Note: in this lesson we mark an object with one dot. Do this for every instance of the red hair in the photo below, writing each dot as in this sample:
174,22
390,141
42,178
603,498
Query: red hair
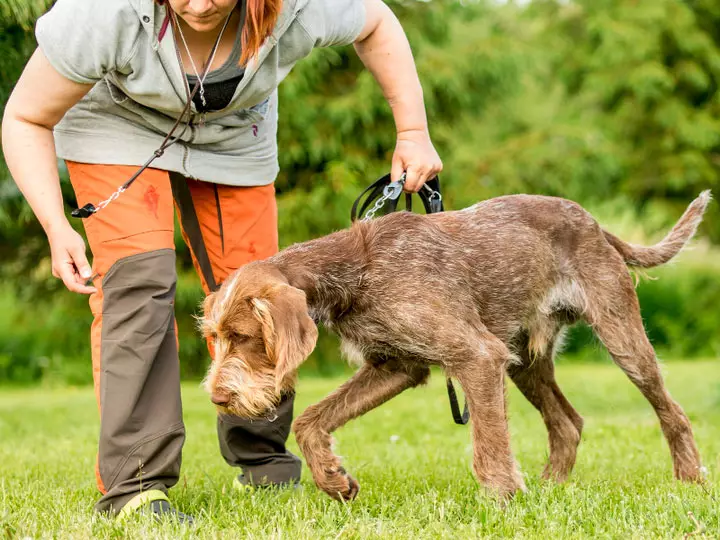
260,19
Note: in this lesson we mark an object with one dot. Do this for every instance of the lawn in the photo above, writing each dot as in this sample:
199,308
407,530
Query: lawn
412,462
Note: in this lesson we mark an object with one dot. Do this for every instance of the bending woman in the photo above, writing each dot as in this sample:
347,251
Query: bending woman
101,92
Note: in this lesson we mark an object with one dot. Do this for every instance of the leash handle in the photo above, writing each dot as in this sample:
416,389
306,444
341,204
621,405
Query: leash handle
391,192
429,195
460,419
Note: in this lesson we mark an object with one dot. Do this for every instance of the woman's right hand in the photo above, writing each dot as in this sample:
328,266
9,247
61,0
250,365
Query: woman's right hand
69,262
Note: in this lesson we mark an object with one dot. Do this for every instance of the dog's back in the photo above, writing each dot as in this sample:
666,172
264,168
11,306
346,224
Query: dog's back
521,261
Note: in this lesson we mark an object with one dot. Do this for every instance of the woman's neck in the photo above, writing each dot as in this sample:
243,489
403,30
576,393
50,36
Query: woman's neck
200,44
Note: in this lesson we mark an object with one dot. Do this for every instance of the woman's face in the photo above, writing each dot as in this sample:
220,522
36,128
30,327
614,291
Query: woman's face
203,15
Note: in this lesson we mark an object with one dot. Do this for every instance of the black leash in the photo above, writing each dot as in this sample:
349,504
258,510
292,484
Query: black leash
463,418
383,196
89,209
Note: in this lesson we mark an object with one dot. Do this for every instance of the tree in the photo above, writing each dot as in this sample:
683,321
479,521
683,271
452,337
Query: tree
607,102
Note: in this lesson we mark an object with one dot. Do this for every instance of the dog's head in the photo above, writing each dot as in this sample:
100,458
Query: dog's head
260,332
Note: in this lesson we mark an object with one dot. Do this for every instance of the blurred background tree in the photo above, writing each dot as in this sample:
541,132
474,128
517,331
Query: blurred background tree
611,103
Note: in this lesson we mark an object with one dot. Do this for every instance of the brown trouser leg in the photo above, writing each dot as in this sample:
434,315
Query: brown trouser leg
225,228
134,342
133,335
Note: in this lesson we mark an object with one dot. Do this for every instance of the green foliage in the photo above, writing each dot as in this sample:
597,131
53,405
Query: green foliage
611,103
22,13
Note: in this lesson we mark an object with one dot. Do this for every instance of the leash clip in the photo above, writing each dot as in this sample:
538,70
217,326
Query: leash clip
434,195
84,212
393,190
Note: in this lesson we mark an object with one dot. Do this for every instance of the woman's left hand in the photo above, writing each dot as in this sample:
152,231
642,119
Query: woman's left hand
415,155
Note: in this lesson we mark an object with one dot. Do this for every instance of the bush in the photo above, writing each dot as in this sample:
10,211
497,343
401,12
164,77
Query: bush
610,103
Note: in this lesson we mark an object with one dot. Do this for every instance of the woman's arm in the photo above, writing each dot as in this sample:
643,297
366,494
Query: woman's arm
384,49
39,101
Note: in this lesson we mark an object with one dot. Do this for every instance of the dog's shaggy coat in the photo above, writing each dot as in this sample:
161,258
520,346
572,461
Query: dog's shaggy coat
482,292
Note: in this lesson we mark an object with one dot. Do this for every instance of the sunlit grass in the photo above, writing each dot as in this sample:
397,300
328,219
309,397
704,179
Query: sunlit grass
413,464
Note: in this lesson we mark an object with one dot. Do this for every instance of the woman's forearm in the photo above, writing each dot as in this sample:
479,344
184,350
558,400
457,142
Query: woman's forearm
386,53
30,155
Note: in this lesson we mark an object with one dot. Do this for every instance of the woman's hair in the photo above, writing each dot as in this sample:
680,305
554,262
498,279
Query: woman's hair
260,19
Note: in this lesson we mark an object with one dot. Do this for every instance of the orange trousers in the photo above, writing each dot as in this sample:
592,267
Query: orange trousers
134,336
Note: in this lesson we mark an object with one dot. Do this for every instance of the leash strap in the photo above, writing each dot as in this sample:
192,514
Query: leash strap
383,196
460,419
89,209
191,225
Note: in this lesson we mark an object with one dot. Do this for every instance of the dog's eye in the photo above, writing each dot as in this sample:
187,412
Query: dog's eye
238,338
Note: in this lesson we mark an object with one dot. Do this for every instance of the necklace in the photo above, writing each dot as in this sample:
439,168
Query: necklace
201,79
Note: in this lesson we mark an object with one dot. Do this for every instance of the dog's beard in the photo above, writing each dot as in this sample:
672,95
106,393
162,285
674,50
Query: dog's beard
252,393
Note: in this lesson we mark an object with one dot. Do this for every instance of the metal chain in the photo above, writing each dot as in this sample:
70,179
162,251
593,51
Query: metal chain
110,199
201,79
392,191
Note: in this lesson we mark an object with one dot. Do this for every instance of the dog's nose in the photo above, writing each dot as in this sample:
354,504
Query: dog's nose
220,399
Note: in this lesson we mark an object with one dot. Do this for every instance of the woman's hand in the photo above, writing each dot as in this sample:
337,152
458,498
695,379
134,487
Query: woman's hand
415,155
69,262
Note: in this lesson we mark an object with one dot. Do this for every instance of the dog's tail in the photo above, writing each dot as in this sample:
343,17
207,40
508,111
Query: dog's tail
668,247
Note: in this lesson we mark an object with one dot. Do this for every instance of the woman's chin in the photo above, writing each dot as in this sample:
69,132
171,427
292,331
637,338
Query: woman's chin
204,25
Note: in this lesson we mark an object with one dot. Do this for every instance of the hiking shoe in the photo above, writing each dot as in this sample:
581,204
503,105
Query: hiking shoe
162,509
157,504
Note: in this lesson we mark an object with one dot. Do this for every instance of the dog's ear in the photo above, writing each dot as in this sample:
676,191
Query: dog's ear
289,333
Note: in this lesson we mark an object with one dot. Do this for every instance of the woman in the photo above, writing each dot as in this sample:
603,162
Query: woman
110,79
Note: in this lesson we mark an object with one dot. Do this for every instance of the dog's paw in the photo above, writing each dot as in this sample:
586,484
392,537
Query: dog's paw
692,474
339,485
504,489
555,473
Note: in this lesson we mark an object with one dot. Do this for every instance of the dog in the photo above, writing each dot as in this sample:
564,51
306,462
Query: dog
482,292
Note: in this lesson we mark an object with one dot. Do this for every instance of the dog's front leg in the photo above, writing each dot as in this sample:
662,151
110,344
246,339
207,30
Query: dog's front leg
481,373
370,387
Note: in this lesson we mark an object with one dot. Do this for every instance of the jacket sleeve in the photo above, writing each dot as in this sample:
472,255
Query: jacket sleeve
333,22
85,39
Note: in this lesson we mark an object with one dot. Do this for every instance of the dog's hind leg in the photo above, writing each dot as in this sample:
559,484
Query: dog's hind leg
481,372
535,378
370,387
614,314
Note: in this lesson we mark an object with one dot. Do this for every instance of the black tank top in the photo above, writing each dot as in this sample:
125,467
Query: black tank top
220,84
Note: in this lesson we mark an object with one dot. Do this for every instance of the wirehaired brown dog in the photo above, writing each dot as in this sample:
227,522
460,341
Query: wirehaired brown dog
481,292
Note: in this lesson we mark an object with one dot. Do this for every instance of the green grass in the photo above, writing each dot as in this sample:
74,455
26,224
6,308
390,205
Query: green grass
413,464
